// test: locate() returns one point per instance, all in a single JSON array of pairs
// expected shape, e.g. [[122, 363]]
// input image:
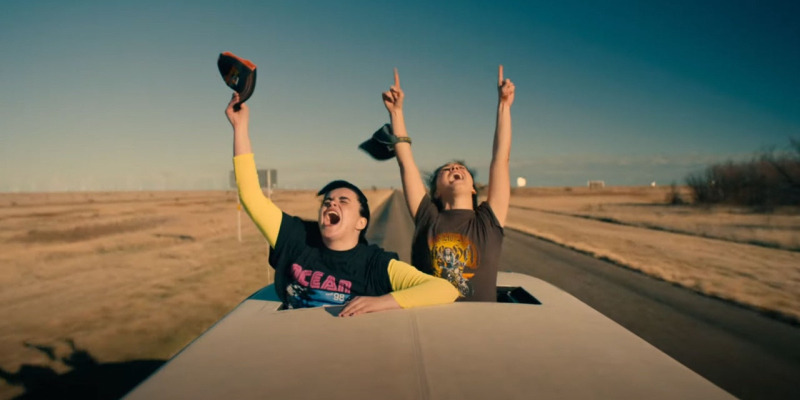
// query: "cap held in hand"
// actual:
[[239, 74], [381, 145]]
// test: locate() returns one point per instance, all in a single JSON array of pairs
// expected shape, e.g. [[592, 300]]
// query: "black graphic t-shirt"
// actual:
[[308, 274], [461, 246]]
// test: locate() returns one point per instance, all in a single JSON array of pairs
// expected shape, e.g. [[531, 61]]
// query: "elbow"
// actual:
[[438, 292], [445, 291], [449, 292], [248, 195], [454, 295]]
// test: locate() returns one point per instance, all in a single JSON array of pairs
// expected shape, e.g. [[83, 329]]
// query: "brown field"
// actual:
[[136, 276], [724, 252], [645, 207], [127, 276]]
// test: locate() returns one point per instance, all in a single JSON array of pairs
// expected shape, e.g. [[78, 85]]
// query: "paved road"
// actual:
[[749, 355]]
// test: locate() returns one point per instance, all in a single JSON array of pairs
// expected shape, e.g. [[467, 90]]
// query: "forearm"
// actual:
[[499, 194], [413, 187], [402, 149], [412, 288], [241, 140], [501, 149]]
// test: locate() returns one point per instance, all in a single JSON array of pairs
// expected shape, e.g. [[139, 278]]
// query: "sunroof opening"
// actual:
[[515, 294]]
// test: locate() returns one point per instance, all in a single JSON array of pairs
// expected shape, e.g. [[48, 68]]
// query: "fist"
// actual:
[[237, 118]]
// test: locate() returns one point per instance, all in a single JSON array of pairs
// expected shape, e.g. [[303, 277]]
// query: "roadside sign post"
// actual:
[[269, 185], [232, 184], [239, 217], [269, 196]]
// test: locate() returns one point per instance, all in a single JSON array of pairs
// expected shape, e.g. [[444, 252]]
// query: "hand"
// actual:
[[505, 89], [393, 99], [237, 118], [368, 304]]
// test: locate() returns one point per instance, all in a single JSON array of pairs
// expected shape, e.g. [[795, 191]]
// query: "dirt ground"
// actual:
[[645, 207], [731, 253], [137, 276], [124, 276]]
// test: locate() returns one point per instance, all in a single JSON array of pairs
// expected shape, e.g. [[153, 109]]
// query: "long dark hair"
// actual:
[[433, 177]]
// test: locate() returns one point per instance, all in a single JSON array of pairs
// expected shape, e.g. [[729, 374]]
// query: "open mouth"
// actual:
[[333, 217], [456, 177]]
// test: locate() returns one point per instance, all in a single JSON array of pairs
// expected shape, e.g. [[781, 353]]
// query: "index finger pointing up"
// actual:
[[396, 78], [500, 76]]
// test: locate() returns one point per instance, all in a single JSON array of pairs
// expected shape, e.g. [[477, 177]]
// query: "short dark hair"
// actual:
[[362, 201], [433, 177]]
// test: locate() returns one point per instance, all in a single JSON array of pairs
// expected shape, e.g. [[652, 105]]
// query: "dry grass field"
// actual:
[[125, 276], [645, 207], [734, 254], [136, 276]]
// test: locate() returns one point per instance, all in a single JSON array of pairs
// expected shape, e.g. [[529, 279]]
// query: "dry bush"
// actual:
[[674, 197], [769, 180]]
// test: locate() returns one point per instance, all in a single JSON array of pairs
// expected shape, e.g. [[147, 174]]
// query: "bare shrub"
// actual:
[[674, 197], [768, 180]]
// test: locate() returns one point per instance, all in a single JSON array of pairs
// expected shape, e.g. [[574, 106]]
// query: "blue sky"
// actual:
[[126, 95]]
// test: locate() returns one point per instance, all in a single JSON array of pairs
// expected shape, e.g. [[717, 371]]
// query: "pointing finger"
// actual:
[[396, 78], [500, 76]]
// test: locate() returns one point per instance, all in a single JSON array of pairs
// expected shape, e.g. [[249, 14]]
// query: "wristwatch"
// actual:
[[381, 145]]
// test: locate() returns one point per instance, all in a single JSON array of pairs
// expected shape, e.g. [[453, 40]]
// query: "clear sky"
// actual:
[[126, 95]]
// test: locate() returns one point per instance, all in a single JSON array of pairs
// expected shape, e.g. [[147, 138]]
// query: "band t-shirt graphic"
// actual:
[[461, 246], [455, 258], [308, 274]]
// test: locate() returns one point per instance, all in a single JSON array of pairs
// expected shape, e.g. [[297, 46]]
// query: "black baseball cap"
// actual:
[[381, 145], [362, 200], [239, 74]]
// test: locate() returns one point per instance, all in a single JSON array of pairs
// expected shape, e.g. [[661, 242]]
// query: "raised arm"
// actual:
[[413, 187], [499, 174], [264, 213]]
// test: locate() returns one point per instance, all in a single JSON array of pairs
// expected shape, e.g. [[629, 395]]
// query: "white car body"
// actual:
[[559, 349]]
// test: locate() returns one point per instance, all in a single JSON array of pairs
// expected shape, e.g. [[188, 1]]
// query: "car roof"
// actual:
[[560, 349]]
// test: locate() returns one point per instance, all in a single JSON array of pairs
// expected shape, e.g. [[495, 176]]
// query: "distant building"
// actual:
[[596, 184]]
